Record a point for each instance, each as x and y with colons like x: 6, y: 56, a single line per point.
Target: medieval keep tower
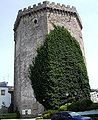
x: 30, y: 28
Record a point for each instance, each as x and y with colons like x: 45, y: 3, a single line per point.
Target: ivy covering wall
x: 58, y: 69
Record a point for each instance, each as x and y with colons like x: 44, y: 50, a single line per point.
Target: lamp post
x: 75, y: 94
x: 67, y: 97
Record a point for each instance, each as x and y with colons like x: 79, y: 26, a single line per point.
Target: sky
x: 88, y: 11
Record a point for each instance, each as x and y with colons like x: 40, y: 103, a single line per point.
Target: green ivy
x: 58, y: 69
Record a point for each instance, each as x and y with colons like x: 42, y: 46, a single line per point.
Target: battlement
x: 46, y: 5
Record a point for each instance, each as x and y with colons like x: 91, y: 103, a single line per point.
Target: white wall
x: 5, y: 98
x: 94, y: 97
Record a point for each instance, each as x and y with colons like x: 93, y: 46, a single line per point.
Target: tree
x: 59, y: 68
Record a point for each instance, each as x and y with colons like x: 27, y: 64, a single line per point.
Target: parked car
x: 68, y: 115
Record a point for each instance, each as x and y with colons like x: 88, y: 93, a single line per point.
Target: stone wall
x: 29, y: 36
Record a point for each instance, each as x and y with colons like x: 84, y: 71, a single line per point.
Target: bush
x: 81, y: 105
x: 93, y: 106
x: 47, y: 114
x: 64, y: 107
x: 58, y: 68
x: 8, y: 116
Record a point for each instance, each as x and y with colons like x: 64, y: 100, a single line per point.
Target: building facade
x: 94, y: 95
x: 5, y: 96
x: 30, y: 28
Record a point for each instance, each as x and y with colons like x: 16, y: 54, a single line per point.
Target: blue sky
x: 88, y: 11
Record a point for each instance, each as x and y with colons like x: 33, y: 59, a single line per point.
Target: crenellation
x: 74, y: 8
x: 68, y: 6
x: 58, y: 4
x: 53, y: 3
x: 29, y: 8
x: 34, y: 6
x: 25, y: 9
x: 46, y: 2
x: 39, y: 4
x: 42, y: 6
x: 20, y: 11
x: 63, y: 6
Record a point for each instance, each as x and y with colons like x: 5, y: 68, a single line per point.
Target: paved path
x: 89, y: 112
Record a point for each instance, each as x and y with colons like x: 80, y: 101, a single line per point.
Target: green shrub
x: 80, y: 105
x: 64, y: 107
x: 58, y: 68
x: 93, y: 106
x: 73, y: 107
x: 47, y: 114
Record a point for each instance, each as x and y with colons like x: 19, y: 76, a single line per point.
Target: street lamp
x: 75, y: 95
x: 67, y: 97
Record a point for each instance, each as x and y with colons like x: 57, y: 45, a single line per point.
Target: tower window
x: 35, y: 21
x: 2, y: 92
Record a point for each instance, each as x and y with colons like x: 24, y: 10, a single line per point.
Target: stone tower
x: 30, y: 28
